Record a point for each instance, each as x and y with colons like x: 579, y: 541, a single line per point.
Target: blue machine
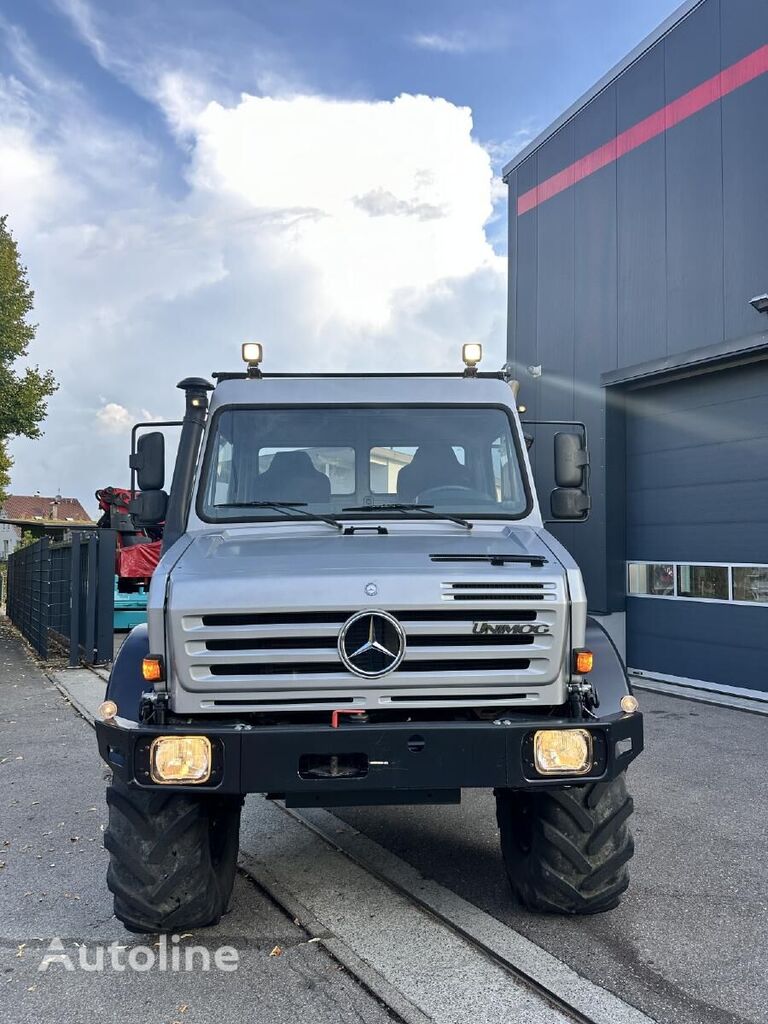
x: 130, y: 608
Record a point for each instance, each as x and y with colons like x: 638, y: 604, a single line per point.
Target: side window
x: 500, y: 462
x: 223, y: 483
x: 385, y: 465
x: 506, y: 479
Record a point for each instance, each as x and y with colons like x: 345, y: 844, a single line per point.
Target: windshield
x: 323, y: 460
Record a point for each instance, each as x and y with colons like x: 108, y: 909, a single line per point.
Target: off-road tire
x: 172, y: 857
x: 566, y: 850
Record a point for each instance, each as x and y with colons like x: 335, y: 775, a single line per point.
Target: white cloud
x: 452, y: 42
x: 342, y: 234
x: 307, y: 161
x: 489, y: 31
x: 114, y: 418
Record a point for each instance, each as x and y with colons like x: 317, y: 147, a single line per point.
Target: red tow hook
x: 346, y: 711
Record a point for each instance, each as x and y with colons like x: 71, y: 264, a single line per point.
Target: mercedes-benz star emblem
x: 371, y: 644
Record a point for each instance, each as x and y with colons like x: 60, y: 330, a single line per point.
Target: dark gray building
x: 638, y: 234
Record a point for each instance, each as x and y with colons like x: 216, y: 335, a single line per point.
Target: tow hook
x: 361, y: 717
x: 584, y: 699
x: 153, y: 708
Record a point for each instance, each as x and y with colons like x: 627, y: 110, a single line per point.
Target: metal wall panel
x: 522, y: 331
x: 512, y: 268
x: 745, y: 158
x: 555, y: 312
x: 642, y: 219
x: 595, y: 332
x: 666, y: 244
x: 694, y: 188
x: 716, y: 643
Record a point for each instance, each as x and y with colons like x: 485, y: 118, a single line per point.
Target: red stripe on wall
x: 738, y: 74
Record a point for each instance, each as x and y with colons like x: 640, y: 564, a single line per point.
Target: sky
x: 319, y: 175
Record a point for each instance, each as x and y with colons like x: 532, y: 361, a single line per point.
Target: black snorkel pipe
x: 192, y: 426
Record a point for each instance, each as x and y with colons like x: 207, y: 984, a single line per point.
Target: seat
x: 292, y: 477
x: 433, y: 465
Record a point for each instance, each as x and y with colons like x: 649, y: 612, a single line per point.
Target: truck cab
x: 358, y: 603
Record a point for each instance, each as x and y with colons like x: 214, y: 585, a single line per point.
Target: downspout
x: 192, y: 426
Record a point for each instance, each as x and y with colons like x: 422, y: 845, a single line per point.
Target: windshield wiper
x: 399, y: 506
x: 286, y: 507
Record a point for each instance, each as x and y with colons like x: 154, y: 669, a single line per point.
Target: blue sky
x: 317, y: 173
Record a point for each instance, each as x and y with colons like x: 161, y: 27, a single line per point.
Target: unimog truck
x: 358, y: 603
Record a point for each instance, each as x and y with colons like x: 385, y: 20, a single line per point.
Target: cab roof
x: 363, y: 390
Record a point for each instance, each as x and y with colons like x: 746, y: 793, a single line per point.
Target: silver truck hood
x: 254, y: 617
x: 271, y: 553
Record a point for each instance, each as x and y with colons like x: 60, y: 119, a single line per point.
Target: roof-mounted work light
x: 252, y: 355
x: 471, y: 354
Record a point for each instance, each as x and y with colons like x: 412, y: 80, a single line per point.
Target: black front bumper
x: 373, y: 763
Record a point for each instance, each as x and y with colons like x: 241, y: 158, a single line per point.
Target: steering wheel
x: 449, y: 493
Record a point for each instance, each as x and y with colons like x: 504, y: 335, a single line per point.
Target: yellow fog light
x: 562, y: 751
x: 185, y: 759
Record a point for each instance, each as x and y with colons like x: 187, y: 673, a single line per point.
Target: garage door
x: 697, y: 529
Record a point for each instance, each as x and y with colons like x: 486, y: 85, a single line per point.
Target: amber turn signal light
x: 583, y: 661
x: 152, y: 668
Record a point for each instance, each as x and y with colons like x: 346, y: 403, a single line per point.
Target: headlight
x: 562, y: 751
x: 181, y: 759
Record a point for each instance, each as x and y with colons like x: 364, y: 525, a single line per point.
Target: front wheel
x: 566, y: 850
x: 172, y: 857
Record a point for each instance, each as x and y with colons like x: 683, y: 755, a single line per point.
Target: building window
x: 750, y: 583
x: 652, y: 578
x: 703, y: 581
x: 688, y: 581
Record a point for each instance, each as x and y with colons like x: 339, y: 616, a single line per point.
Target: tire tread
x: 566, y: 850
x: 163, y: 872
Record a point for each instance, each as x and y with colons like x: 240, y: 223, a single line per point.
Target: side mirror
x: 570, y: 499
x: 569, y: 503
x: 149, y: 461
x: 570, y: 459
x: 149, y: 507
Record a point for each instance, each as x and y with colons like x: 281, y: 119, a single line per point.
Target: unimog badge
x: 512, y: 628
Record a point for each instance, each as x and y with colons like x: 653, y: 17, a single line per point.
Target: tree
x: 23, y: 396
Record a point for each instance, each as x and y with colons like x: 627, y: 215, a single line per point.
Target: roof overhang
x: 733, y: 352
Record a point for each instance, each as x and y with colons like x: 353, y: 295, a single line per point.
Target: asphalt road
x: 689, y: 944
x: 52, y: 884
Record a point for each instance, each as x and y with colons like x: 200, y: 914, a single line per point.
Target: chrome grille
x: 289, y: 659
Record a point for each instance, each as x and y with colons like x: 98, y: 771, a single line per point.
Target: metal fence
x: 61, y: 595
